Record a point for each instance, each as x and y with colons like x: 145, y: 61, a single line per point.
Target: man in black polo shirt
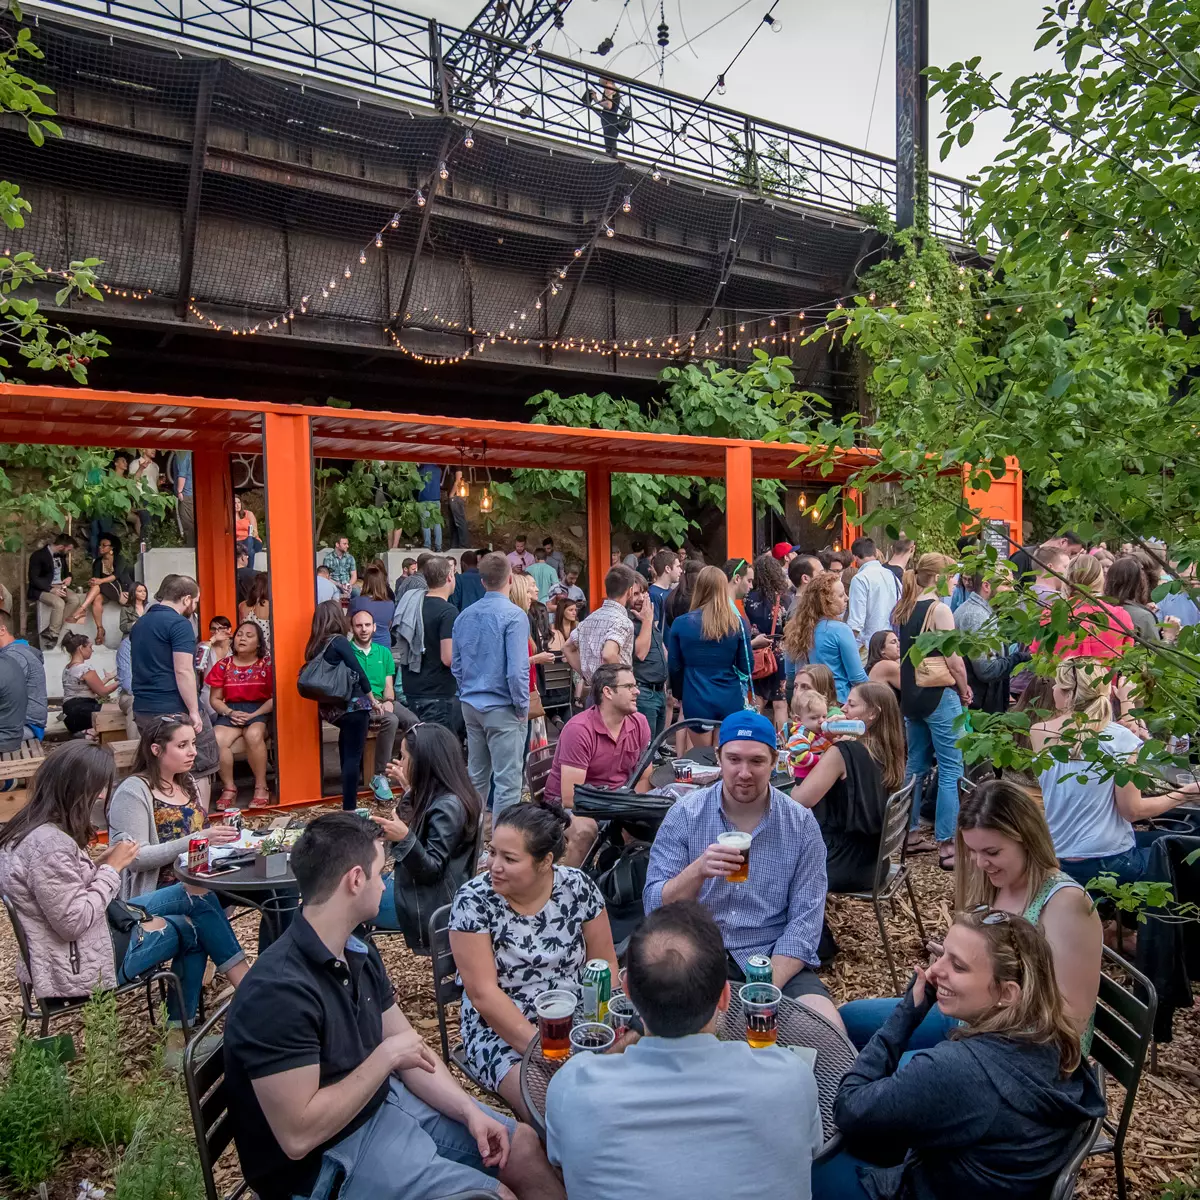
x: 328, y: 1083
x: 650, y: 670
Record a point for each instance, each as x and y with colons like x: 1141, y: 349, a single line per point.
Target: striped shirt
x: 779, y: 910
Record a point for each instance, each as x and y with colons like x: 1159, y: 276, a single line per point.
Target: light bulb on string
x: 656, y: 174
x: 443, y: 171
x: 420, y: 198
x: 627, y: 203
x: 485, y: 500
x: 362, y: 258
x: 379, y: 241
x: 469, y: 141
x: 346, y: 273
x: 609, y: 231
x: 775, y: 23
x: 720, y: 85
x: 578, y: 252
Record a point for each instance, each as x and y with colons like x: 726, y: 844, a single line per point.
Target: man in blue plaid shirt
x: 779, y: 911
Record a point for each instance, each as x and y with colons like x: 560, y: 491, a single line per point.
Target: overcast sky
x: 818, y: 74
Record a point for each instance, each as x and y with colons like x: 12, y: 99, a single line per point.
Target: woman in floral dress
x: 524, y: 927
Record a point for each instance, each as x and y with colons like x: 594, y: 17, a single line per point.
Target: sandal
x: 946, y: 856
x: 261, y: 799
x: 100, y: 635
x: 918, y: 842
x: 226, y: 798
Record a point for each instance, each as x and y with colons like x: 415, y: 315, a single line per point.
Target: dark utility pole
x: 912, y: 105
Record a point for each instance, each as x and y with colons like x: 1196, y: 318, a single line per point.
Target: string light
x: 720, y: 85
x: 443, y: 171
x: 774, y: 22
x: 609, y: 231
x: 420, y: 199
x: 469, y: 141
x: 627, y: 203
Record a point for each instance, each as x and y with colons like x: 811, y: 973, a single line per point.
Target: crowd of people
x: 793, y: 669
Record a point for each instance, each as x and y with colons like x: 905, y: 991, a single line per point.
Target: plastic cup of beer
x: 760, y: 1004
x: 736, y: 840
x: 556, y: 1015
x: 591, y: 1037
x: 620, y: 1013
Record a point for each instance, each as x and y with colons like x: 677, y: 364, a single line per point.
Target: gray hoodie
x: 33, y: 667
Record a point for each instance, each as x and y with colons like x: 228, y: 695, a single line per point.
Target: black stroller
x: 629, y: 820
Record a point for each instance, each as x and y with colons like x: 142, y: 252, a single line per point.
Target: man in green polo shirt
x: 380, y: 667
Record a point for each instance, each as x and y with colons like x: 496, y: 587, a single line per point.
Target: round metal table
x: 277, y: 898
x: 798, y: 1026
x: 706, y: 756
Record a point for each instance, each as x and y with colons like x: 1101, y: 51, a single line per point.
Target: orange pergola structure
x: 290, y: 436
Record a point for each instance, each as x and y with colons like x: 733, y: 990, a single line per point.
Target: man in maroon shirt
x: 600, y: 746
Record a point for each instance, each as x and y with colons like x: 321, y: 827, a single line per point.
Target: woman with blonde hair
x: 1005, y: 859
x: 816, y: 632
x: 708, y: 654
x: 817, y: 677
x: 848, y: 789
x: 992, y: 1110
x: 932, y: 702
x: 1089, y: 814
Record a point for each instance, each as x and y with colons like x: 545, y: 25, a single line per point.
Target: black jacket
x: 983, y: 1116
x: 41, y: 571
x: 432, y: 863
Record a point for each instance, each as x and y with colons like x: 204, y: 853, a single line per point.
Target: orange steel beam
x: 287, y: 450
x: 599, y: 532
x: 213, y: 490
x: 1003, y: 501
x: 739, y: 502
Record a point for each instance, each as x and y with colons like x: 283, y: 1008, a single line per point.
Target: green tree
x: 702, y: 400
x: 24, y: 328
x: 1081, y: 361
x: 365, y: 503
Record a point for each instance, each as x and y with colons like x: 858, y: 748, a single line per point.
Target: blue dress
x: 705, y: 674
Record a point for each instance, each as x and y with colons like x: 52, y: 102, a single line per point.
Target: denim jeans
x: 430, y: 514
x: 1130, y: 867
x: 837, y: 1178
x: 196, y: 930
x: 406, y: 1149
x: 653, y: 706
x: 496, y: 749
x: 927, y: 736
x: 864, y: 1018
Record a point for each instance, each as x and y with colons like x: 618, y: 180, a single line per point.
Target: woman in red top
x: 1105, y: 629
x: 243, y: 695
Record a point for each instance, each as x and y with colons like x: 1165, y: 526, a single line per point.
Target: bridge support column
x: 739, y: 503
x: 287, y: 451
x: 599, y: 532
x: 212, y: 488
x: 849, y: 530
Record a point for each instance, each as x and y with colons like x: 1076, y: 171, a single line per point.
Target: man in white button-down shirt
x: 873, y: 593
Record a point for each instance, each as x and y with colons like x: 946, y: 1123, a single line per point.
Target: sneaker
x: 379, y: 785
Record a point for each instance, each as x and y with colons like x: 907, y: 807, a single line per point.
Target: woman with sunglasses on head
x: 993, y: 1110
x: 1005, y: 859
x: 434, y: 850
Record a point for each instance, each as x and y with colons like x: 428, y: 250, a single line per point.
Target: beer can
x: 597, y: 988
x: 197, y: 858
x: 683, y: 770
x: 758, y: 969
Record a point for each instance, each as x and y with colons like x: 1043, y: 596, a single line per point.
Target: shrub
x: 35, y: 1114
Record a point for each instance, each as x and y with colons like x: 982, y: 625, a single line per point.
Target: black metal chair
x: 891, y: 871
x: 1124, y: 1030
x: 208, y: 1099
x: 558, y: 696
x: 537, y: 768
x: 34, y: 1008
x: 1081, y: 1147
x: 447, y: 990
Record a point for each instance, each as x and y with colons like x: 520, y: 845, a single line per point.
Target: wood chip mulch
x: 1164, y: 1138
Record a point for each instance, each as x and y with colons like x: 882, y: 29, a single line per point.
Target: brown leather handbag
x: 765, y: 662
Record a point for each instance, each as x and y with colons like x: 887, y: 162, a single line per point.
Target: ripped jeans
x: 196, y: 930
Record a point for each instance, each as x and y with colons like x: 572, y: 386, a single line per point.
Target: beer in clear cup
x: 556, y: 1015
x: 736, y: 840
x: 760, y: 1004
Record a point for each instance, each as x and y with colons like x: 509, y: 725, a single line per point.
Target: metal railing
x: 371, y: 43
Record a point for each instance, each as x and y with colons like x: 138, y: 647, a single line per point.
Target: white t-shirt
x: 147, y: 476
x: 1082, y: 814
